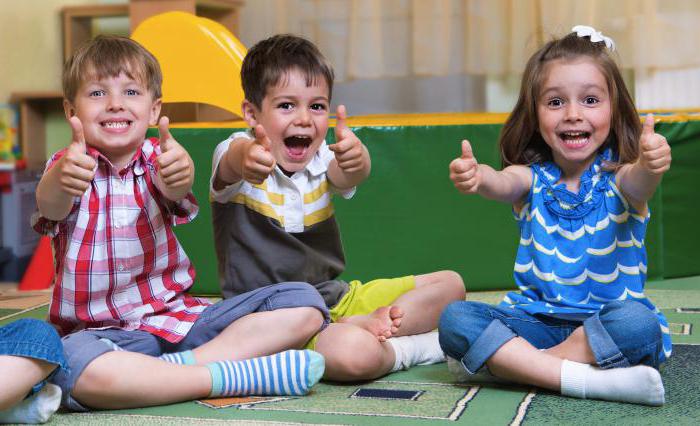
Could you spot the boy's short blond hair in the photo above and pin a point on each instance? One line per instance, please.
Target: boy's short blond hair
(269, 60)
(109, 56)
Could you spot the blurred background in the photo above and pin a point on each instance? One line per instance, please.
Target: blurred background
(403, 56)
(390, 57)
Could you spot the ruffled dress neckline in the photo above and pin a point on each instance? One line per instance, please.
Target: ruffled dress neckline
(564, 203)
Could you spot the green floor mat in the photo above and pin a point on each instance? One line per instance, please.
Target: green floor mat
(439, 401)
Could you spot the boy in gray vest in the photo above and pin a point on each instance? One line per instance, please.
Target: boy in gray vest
(273, 217)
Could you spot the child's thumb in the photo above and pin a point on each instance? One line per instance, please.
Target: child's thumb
(261, 137)
(467, 150)
(648, 127)
(78, 137)
(340, 116)
(164, 133)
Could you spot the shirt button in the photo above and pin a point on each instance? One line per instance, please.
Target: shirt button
(121, 268)
(293, 197)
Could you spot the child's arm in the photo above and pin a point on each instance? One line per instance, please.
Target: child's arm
(68, 178)
(510, 185)
(638, 181)
(352, 163)
(246, 159)
(175, 166)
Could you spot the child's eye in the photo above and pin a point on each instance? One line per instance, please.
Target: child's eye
(591, 100)
(285, 105)
(318, 107)
(555, 103)
(96, 93)
(131, 92)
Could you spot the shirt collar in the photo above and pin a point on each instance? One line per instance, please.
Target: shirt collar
(317, 166)
(136, 163)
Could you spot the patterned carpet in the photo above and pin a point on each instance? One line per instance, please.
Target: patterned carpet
(430, 397)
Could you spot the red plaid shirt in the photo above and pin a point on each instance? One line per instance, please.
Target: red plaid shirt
(118, 262)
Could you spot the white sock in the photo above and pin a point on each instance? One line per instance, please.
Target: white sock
(35, 409)
(482, 376)
(639, 384)
(417, 349)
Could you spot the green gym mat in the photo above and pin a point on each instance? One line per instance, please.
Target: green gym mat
(436, 399)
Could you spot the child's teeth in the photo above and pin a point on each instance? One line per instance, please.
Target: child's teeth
(115, 125)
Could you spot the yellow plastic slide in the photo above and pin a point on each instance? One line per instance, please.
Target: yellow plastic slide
(200, 59)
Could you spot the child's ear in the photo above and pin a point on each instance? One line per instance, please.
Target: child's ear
(155, 112)
(68, 109)
(249, 113)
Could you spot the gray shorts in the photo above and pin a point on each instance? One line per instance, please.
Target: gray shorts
(83, 347)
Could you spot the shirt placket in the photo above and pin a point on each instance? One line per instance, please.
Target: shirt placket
(120, 244)
(293, 206)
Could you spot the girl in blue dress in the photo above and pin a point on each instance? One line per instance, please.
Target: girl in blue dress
(579, 168)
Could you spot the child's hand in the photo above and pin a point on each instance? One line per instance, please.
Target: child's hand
(654, 151)
(464, 171)
(257, 161)
(348, 148)
(76, 169)
(175, 167)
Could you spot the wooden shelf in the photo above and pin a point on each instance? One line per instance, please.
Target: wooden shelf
(78, 20)
(224, 12)
(33, 107)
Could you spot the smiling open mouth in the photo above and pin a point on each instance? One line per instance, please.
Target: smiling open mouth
(122, 124)
(297, 145)
(575, 139)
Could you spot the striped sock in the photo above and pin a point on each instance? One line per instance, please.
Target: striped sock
(286, 373)
(182, 358)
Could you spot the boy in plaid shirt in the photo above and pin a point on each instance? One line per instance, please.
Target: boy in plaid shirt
(132, 335)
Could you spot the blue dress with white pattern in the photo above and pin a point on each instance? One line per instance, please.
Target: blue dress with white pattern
(580, 251)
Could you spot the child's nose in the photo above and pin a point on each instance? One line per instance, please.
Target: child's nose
(115, 103)
(573, 111)
(303, 117)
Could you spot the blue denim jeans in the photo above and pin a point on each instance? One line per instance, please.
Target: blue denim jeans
(621, 334)
(32, 338)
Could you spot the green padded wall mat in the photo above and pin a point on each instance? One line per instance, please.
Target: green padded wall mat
(407, 218)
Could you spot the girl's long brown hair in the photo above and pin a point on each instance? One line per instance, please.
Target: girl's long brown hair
(521, 141)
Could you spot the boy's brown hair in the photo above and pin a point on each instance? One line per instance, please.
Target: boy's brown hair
(269, 60)
(109, 56)
(521, 141)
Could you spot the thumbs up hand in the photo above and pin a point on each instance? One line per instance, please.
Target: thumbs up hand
(464, 171)
(654, 151)
(348, 148)
(175, 167)
(76, 168)
(256, 159)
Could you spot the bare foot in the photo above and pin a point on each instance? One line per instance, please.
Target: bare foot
(383, 322)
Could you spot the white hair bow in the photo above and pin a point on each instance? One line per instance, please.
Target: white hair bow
(596, 36)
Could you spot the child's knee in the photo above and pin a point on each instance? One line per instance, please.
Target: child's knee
(457, 327)
(635, 330)
(448, 284)
(630, 320)
(93, 379)
(454, 282)
(311, 320)
(339, 345)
